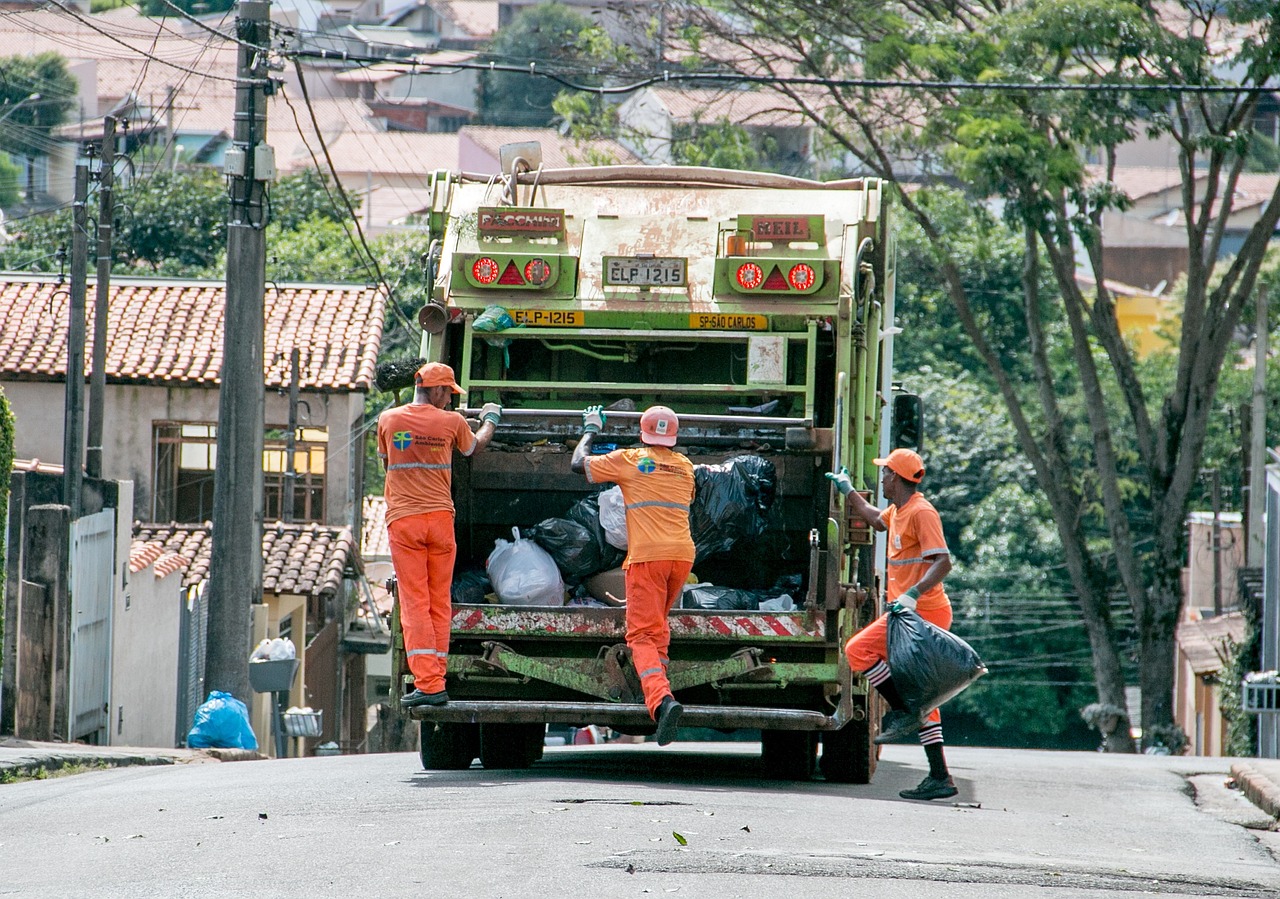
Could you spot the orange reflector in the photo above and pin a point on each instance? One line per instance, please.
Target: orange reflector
(537, 272)
(750, 275)
(775, 281)
(511, 275)
(485, 270)
(801, 276)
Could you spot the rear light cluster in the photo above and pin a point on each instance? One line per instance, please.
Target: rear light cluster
(486, 270)
(800, 276)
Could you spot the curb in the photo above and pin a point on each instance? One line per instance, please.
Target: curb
(1261, 789)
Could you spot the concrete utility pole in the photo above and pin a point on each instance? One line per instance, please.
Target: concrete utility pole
(290, 441)
(98, 375)
(73, 417)
(1255, 549)
(235, 563)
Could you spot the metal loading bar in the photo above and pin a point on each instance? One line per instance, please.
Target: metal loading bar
(624, 714)
(755, 421)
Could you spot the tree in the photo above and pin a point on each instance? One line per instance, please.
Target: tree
(553, 38)
(1026, 147)
(10, 180)
(178, 7)
(36, 94)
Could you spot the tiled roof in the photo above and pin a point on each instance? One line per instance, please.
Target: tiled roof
(1207, 642)
(305, 559)
(558, 151)
(373, 542)
(164, 331)
(478, 18)
(741, 107)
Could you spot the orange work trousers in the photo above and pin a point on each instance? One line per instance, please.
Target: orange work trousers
(871, 644)
(422, 551)
(652, 591)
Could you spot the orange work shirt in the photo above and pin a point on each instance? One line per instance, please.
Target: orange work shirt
(416, 442)
(657, 490)
(915, 538)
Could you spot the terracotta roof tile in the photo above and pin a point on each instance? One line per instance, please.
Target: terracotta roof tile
(305, 559)
(171, 331)
(558, 151)
(1207, 642)
(373, 543)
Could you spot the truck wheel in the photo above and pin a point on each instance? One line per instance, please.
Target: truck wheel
(788, 754)
(511, 745)
(848, 755)
(448, 747)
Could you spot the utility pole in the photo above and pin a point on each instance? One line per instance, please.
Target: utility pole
(235, 563)
(290, 442)
(1217, 542)
(98, 376)
(1255, 549)
(73, 416)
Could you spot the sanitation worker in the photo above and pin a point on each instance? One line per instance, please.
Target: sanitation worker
(918, 560)
(416, 443)
(657, 490)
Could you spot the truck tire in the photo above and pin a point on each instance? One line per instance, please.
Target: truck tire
(511, 745)
(448, 747)
(848, 755)
(788, 754)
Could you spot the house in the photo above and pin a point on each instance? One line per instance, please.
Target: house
(1204, 647)
(431, 95)
(479, 148)
(163, 361)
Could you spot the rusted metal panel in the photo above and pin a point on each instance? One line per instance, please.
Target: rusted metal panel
(610, 624)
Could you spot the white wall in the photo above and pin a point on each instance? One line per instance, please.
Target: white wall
(144, 660)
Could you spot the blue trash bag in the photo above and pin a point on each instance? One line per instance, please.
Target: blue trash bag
(929, 665)
(222, 721)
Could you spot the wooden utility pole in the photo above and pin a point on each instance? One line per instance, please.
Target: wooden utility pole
(98, 375)
(235, 563)
(73, 417)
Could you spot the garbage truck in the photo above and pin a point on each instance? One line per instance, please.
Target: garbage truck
(759, 307)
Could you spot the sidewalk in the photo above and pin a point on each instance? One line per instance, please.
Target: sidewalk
(1259, 779)
(26, 758)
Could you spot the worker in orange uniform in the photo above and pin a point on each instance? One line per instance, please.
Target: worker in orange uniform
(918, 560)
(416, 442)
(657, 489)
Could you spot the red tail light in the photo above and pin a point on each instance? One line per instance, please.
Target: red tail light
(537, 272)
(485, 270)
(750, 276)
(801, 277)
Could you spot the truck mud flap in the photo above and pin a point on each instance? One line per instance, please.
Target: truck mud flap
(633, 715)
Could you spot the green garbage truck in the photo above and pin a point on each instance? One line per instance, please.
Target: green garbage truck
(760, 308)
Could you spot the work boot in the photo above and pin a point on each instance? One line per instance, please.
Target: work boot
(417, 698)
(932, 788)
(668, 717)
(897, 724)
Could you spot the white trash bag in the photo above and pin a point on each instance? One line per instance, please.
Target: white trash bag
(275, 650)
(524, 574)
(613, 517)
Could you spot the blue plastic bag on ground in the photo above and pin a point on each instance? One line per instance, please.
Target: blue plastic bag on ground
(929, 665)
(222, 722)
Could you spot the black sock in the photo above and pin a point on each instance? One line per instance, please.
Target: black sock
(890, 692)
(937, 762)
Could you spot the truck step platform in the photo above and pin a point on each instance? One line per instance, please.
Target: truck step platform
(624, 715)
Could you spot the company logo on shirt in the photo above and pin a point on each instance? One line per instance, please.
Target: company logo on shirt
(402, 440)
(647, 466)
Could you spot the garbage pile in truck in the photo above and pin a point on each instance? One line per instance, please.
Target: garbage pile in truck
(580, 552)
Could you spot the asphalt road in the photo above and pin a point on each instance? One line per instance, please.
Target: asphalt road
(691, 820)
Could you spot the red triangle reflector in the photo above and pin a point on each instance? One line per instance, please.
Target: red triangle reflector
(775, 281)
(511, 275)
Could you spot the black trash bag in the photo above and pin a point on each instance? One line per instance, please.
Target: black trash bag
(577, 541)
(586, 512)
(732, 501)
(470, 587)
(705, 596)
(929, 665)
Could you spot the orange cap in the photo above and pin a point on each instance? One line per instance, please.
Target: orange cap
(436, 374)
(904, 463)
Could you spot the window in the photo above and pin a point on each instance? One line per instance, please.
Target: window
(186, 455)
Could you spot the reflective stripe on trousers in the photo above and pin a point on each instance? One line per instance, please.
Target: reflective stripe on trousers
(422, 551)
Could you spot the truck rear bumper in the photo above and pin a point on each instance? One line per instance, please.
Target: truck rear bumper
(625, 715)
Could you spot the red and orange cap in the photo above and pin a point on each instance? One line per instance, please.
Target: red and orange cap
(903, 462)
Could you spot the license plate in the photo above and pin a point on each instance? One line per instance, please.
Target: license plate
(727, 321)
(647, 271)
(548, 318)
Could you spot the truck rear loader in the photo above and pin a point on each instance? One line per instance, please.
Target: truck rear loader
(757, 306)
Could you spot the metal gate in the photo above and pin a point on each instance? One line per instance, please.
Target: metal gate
(93, 542)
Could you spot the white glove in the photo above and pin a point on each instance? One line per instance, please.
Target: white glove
(841, 480)
(909, 599)
(491, 412)
(593, 419)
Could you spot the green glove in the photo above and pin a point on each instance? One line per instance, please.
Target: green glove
(841, 480)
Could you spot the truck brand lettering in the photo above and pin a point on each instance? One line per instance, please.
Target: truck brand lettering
(790, 228)
(492, 220)
(719, 321)
(548, 318)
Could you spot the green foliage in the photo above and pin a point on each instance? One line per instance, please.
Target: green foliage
(36, 95)
(178, 7)
(97, 6)
(10, 181)
(717, 144)
(317, 249)
(554, 38)
(306, 195)
(172, 217)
